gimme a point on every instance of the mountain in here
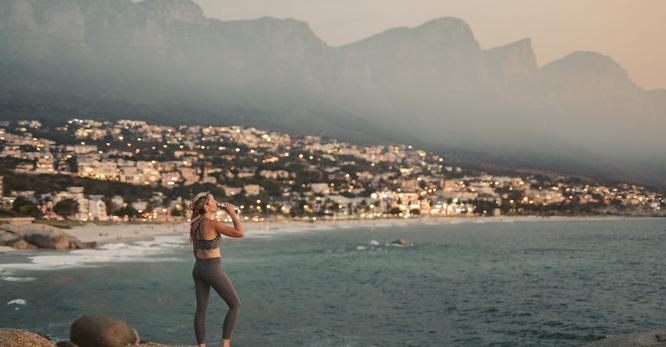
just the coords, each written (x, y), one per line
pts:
(514, 73)
(431, 85)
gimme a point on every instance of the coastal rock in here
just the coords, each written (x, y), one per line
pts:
(43, 239)
(21, 244)
(644, 339)
(102, 331)
(28, 236)
(17, 337)
(401, 242)
(75, 243)
(7, 238)
(66, 344)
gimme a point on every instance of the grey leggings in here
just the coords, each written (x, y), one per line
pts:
(207, 273)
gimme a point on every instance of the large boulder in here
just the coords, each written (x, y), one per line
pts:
(16, 337)
(645, 339)
(102, 331)
(39, 236)
(8, 237)
(44, 239)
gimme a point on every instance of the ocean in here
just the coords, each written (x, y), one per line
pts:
(526, 283)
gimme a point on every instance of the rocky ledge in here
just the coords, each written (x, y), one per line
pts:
(87, 331)
(33, 235)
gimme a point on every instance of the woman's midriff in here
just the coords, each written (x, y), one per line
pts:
(205, 253)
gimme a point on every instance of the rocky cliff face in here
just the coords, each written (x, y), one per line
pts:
(512, 70)
(514, 60)
(587, 76)
(438, 56)
(174, 11)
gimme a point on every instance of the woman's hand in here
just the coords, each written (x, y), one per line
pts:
(230, 208)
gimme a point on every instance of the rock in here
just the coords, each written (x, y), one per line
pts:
(16, 337)
(66, 344)
(75, 243)
(401, 242)
(7, 237)
(21, 244)
(46, 240)
(102, 331)
(40, 236)
(644, 339)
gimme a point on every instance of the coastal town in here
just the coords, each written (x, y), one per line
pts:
(90, 170)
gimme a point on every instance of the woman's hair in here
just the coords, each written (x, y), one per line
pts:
(198, 209)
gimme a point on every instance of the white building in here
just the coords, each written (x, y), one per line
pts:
(252, 189)
(97, 208)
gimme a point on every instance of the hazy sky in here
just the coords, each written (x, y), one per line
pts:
(632, 32)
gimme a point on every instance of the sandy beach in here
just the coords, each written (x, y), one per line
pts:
(127, 232)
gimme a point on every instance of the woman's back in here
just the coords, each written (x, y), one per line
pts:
(204, 244)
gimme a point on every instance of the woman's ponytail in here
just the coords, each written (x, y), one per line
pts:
(197, 207)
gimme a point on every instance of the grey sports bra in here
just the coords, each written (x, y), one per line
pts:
(206, 244)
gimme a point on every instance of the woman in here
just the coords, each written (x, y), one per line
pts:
(205, 235)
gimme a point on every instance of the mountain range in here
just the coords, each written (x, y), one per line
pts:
(432, 85)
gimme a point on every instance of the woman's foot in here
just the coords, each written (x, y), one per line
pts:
(226, 343)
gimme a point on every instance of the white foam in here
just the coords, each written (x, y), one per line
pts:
(16, 302)
(361, 248)
(139, 251)
(373, 243)
(17, 279)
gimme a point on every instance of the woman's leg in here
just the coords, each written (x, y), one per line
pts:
(202, 289)
(226, 290)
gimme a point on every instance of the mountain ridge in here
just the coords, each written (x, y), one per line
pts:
(432, 83)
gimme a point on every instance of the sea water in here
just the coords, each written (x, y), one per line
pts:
(528, 283)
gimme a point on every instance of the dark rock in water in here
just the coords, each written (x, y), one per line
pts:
(66, 344)
(16, 337)
(75, 243)
(102, 331)
(645, 339)
(401, 242)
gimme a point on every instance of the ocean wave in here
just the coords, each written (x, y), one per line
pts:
(137, 251)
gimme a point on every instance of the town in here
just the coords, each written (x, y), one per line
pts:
(91, 170)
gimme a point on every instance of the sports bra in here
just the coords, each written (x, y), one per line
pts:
(206, 244)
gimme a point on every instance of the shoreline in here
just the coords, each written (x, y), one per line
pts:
(103, 234)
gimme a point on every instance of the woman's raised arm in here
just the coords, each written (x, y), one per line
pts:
(237, 230)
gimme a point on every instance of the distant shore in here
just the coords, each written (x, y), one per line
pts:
(125, 232)
(129, 232)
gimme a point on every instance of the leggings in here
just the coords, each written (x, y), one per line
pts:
(207, 273)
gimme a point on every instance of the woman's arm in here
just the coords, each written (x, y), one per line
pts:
(237, 231)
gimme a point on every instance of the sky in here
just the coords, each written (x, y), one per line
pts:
(632, 32)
